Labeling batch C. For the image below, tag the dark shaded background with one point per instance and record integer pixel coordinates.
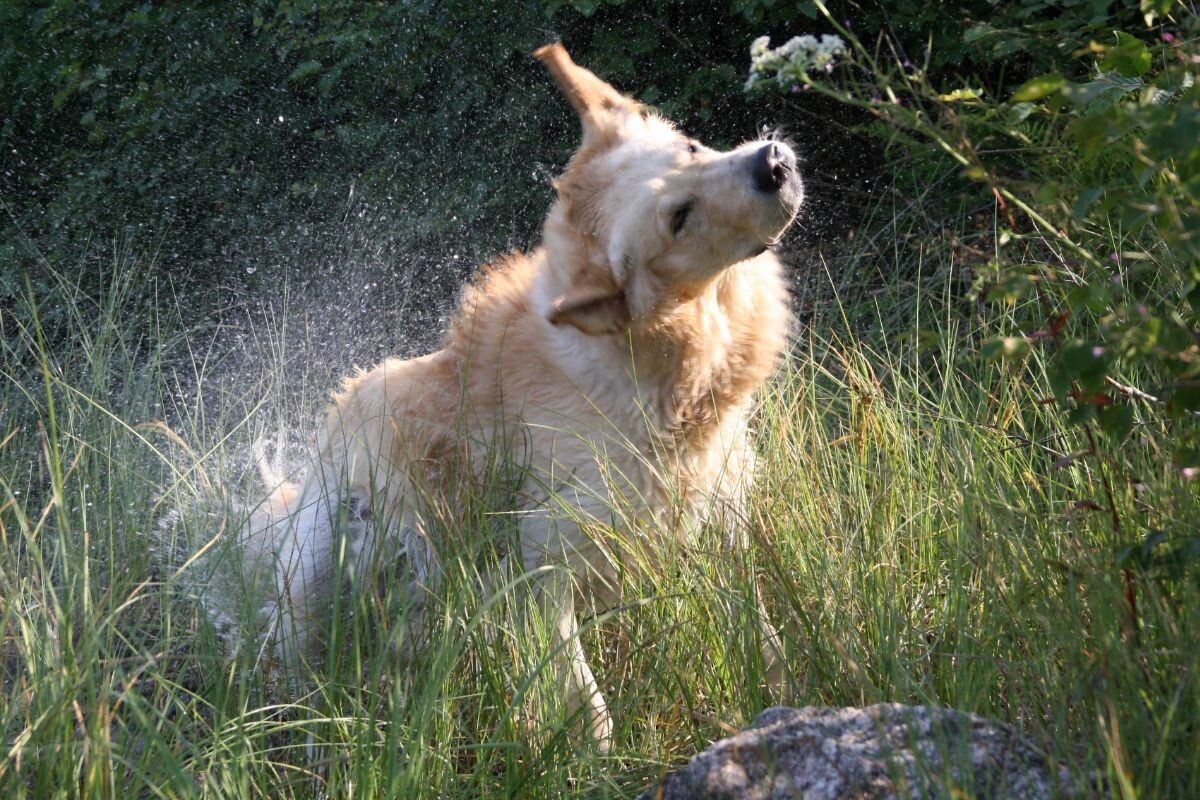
(245, 144)
(369, 155)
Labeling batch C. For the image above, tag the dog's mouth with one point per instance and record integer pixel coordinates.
(792, 194)
(781, 214)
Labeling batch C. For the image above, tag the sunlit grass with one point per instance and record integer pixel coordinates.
(917, 539)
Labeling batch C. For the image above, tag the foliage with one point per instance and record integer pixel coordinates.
(978, 37)
(1098, 171)
(977, 479)
(1092, 256)
(221, 136)
(217, 125)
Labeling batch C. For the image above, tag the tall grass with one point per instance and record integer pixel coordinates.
(921, 535)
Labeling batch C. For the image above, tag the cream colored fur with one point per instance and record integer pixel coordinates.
(618, 362)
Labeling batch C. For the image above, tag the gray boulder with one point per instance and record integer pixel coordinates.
(881, 751)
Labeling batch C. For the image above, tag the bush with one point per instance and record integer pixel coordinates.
(1093, 170)
(210, 135)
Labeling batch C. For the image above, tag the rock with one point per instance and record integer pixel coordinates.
(881, 751)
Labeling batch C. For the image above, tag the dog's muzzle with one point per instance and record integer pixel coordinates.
(774, 165)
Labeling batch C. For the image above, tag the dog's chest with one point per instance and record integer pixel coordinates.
(637, 443)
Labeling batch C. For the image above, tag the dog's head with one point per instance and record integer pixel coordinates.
(646, 216)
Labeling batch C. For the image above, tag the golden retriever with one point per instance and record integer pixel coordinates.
(618, 362)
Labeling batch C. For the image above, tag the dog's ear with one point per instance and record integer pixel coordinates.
(597, 104)
(596, 310)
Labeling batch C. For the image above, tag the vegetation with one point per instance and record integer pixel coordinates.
(1098, 178)
(978, 468)
(223, 140)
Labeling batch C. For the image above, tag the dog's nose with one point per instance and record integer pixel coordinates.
(772, 166)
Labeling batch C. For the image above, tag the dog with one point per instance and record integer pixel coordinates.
(617, 363)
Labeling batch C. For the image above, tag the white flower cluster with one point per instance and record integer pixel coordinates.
(793, 58)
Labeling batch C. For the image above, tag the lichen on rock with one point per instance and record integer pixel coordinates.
(881, 751)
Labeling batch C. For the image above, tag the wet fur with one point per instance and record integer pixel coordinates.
(618, 362)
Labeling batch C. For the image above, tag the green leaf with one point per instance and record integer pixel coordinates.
(1152, 9)
(1081, 414)
(961, 95)
(1047, 193)
(1005, 347)
(1038, 88)
(1116, 421)
(1183, 399)
(1174, 337)
(1193, 298)
(1089, 296)
(1140, 554)
(1130, 57)
(925, 340)
(978, 31)
(1103, 92)
(1085, 201)
(1085, 363)
(585, 7)
(325, 85)
(1010, 290)
(1019, 112)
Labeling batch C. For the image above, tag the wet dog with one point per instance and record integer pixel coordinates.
(618, 363)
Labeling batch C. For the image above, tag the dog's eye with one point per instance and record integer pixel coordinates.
(693, 148)
(679, 218)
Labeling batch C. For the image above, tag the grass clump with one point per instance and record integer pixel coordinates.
(925, 531)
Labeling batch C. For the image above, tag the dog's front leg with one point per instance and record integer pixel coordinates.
(728, 512)
(549, 547)
(775, 671)
(571, 672)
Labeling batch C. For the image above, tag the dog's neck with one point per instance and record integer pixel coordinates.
(706, 351)
(698, 354)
